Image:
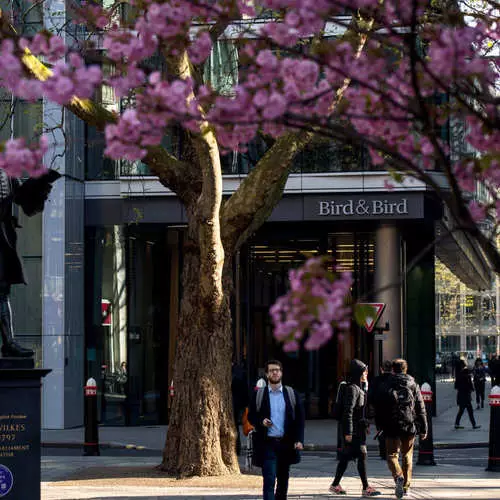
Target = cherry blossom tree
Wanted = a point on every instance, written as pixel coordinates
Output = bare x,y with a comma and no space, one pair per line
390,76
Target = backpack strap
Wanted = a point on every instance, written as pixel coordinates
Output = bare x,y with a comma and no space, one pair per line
291,397
260,397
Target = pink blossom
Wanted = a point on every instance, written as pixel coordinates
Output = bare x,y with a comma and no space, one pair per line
17,158
477,211
314,306
200,48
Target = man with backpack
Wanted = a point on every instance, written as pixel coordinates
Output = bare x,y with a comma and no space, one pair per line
402,416
277,414
378,381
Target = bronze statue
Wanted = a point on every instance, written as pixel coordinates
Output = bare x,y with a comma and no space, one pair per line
30,195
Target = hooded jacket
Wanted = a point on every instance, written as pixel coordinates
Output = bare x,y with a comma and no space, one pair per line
353,415
390,418
464,387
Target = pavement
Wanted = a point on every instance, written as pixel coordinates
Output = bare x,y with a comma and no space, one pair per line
134,476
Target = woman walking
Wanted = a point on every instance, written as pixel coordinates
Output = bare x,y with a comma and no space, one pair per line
353,429
479,377
464,387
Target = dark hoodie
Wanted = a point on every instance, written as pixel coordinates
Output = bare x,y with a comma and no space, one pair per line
353,415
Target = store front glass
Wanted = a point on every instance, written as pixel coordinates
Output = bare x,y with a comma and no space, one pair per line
314,374
127,321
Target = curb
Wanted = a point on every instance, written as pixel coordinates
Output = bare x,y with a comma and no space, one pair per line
108,445
307,447
374,447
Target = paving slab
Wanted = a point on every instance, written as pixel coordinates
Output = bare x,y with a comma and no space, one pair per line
309,480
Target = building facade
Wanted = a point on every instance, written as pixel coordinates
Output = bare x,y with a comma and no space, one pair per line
104,263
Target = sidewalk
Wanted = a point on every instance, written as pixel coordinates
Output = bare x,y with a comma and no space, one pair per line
131,476
309,480
319,435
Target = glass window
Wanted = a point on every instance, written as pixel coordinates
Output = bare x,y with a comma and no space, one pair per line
488,311
450,343
107,321
472,310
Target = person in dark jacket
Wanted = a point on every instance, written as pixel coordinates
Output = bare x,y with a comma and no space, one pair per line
353,429
279,431
239,392
479,378
376,409
401,416
464,387
494,369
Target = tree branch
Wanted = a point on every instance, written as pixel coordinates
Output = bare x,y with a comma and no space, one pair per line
251,204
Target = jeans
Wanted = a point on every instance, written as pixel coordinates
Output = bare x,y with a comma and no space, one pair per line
404,444
275,470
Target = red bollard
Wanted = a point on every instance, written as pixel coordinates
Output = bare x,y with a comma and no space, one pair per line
426,447
91,444
494,445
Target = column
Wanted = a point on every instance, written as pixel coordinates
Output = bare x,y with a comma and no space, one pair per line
389,288
63,269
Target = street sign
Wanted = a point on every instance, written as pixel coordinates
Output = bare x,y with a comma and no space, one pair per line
371,319
380,336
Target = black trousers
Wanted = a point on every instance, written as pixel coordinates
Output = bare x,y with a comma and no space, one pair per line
461,410
479,388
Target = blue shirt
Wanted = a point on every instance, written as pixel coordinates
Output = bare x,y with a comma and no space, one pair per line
278,411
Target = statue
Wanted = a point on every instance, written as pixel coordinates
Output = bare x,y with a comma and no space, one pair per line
30,195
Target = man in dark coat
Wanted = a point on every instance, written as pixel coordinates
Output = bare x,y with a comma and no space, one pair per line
277,414
353,429
402,416
377,409
464,387
31,196
494,369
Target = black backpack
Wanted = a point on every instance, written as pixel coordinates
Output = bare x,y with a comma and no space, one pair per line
338,404
401,398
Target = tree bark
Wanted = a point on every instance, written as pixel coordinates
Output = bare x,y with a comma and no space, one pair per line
201,436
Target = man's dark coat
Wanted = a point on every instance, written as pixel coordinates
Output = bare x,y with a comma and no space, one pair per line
294,428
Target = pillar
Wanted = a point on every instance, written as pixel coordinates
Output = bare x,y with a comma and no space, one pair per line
63,265
389,288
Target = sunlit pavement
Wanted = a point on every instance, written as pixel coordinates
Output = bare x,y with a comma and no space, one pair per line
459,474
310,479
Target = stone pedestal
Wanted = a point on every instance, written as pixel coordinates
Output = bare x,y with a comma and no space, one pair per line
20,423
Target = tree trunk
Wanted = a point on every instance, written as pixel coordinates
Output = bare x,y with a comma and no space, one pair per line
201,437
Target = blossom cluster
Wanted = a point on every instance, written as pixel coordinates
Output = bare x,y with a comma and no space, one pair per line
315,305
68,79
386,75
17,158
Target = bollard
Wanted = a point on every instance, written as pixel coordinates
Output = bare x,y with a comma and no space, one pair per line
426,447
91,444
494,445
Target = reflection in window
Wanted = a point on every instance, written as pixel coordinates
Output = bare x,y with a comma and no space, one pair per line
106,339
